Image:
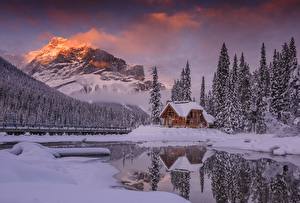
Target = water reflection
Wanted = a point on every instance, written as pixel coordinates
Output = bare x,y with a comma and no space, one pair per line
221,177
180,180
235,179
154,169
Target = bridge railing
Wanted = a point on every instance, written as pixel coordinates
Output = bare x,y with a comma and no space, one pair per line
63,129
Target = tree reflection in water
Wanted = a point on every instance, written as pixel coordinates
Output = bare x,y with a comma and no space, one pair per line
223,177
180,180
154,169
235,179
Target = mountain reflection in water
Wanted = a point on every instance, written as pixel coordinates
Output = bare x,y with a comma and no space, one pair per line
202,175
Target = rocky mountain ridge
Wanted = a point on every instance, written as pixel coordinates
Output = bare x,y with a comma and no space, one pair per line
73,68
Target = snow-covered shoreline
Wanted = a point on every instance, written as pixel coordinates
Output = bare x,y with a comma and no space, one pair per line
157,136
36,175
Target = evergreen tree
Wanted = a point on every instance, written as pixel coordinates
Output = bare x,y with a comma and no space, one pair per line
187,85
260,92
232,109
202,93
182,85
244,92
174,91
280,94
261,126
264,74
286,74
210,103
214,93
220,83
294,86
275,85
155,98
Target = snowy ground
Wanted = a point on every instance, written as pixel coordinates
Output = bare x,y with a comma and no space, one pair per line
157,136
36,176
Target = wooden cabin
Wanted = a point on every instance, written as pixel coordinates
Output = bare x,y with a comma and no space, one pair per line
185,114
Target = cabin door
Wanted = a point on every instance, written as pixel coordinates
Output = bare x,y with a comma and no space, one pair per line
169,122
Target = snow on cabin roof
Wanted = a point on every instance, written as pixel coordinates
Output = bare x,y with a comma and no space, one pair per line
183,108
182,163
209,118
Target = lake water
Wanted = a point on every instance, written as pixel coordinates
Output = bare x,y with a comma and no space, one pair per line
202,175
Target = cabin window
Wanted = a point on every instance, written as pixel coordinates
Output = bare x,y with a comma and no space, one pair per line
171,113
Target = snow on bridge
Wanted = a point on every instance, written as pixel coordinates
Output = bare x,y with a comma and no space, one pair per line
53,130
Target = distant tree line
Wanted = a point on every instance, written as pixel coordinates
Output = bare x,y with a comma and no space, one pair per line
181,90
26,101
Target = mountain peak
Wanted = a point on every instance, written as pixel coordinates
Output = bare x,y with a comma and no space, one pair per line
51,50
74,67
57,40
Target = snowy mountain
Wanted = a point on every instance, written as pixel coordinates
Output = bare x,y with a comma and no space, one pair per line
26,101
78,68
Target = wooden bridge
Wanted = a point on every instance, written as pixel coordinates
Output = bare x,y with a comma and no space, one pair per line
52,130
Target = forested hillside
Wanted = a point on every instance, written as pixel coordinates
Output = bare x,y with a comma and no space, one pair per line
26,101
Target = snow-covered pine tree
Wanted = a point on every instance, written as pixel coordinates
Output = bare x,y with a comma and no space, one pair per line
294,85
188,83
155,98
244,92
232,110
174,91
261,94
261,126
264,73
280,94
210,103
220,83
275,85
202,93
214,93
286,68
182,86
235,85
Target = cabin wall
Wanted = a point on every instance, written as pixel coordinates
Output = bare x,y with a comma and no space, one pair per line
171,119
195,119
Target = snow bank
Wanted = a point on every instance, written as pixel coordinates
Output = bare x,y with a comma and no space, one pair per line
60,152
159,136
37,150
36,176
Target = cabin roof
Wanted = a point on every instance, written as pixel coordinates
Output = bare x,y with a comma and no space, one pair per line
183,109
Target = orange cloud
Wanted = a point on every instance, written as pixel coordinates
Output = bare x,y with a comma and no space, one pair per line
176,21
156,32
94,38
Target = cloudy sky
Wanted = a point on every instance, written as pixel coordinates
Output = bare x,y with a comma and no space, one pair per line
164,33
